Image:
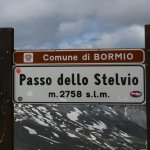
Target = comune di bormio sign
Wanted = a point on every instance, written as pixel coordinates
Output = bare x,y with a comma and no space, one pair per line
80,76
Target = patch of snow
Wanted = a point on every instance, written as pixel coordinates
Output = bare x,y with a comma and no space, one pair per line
77,110
126,113
85,112
29,106
42,109
63,125
31,131
55,134
100,126
48,115
80,146
20,105
71,135
48,139
113,136
97,134
73,115
54,109
93,137
113,111
35,110
40,122
59,114
78,129
110,147
127,140
107,113
124,134
19,112
20,119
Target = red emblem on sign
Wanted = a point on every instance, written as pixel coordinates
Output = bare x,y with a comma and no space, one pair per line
136,94
18,70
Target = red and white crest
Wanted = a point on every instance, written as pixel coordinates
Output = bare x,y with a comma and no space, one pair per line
28,57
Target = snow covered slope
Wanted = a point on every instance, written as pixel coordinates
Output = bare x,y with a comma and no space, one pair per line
75,127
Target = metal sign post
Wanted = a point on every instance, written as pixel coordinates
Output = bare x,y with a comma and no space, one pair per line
147,46
6,106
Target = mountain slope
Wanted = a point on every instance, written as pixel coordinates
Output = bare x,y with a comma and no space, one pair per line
75,127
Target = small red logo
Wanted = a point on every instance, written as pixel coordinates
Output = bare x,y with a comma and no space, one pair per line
136,94
18,70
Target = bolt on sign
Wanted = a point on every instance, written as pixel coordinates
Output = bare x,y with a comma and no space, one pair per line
74,76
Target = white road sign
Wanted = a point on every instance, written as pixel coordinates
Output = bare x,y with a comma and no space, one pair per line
108,84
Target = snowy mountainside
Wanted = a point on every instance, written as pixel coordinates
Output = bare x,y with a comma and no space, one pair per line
136,114
75,127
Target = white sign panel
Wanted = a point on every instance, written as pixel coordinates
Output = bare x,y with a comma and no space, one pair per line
107,84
